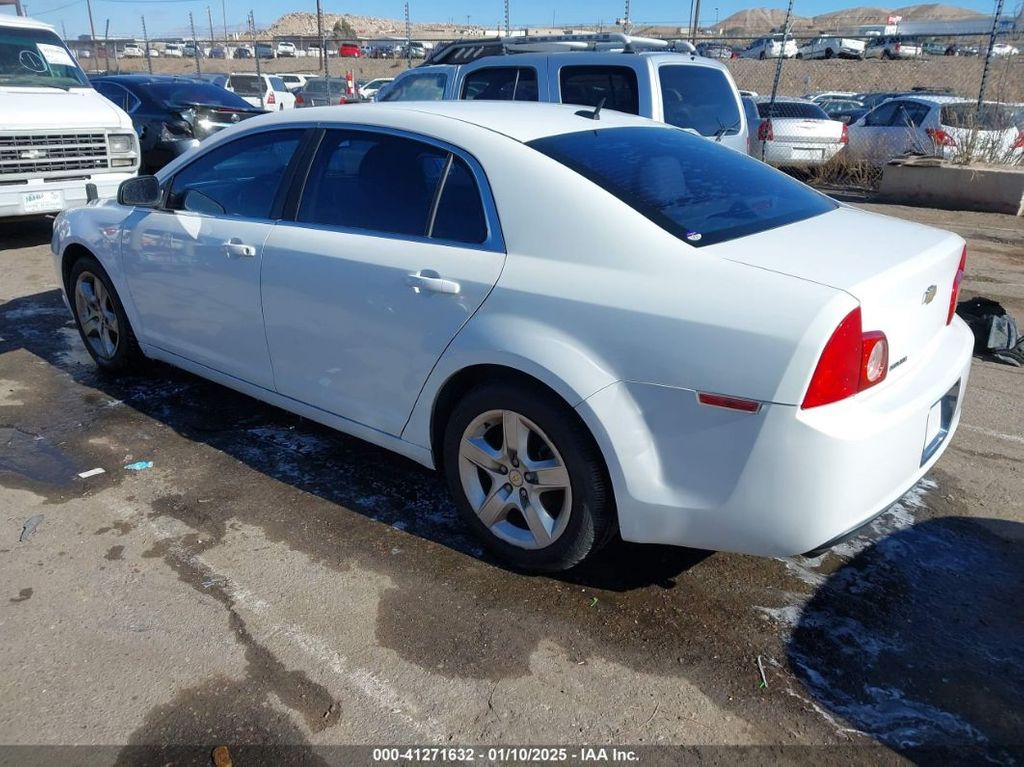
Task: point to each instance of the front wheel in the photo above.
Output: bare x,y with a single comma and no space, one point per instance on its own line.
527,477
101,319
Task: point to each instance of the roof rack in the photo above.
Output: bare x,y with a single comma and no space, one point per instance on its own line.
467,50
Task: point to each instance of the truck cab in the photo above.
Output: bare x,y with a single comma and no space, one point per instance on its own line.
57,133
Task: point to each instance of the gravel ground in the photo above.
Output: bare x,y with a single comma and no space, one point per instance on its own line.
271,582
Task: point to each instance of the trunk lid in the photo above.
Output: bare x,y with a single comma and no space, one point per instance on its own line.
792,130
900,272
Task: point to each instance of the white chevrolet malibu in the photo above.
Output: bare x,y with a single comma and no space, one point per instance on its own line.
589,323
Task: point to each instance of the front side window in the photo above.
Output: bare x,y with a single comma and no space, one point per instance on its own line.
501,84
699,98
37,58
118,95
240,178
697,190
390,184
590,85
419,87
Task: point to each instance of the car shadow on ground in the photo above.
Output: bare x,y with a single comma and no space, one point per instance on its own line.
25,234
335,467
918,640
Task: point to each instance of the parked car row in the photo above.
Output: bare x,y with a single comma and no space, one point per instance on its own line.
831,46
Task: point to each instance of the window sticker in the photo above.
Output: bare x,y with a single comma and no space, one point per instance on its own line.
31,61
54,54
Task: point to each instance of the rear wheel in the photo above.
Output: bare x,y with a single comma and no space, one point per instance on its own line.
829,53
799,55
527,477
761,56
101,319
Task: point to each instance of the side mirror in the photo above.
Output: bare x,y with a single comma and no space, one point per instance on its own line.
141,191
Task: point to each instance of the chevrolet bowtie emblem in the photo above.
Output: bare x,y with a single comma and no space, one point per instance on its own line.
928,295
32,154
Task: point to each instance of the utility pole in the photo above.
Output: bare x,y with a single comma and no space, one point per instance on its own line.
106,48
259,70
224,20
195,43
408,39
92,28
988,58
778,69
507,25
689,22
145,40
626,24
696,21
209,18
19,9
320,40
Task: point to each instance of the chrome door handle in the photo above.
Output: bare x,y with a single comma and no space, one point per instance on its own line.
429,280
236,248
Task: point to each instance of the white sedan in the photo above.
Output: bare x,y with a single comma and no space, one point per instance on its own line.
588,322
796,133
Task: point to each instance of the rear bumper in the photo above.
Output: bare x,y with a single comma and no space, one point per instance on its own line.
22,199
802,155
782,481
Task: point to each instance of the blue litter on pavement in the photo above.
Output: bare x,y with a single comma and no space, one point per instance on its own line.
139,466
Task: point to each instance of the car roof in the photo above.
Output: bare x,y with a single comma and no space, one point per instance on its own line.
24,22
520,121
783,100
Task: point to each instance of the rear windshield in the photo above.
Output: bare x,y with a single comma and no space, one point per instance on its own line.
991,117
320,86
175,94
792,109
695,189
418,87
700,98
247,85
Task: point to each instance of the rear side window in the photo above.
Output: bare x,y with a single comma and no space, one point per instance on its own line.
697,190
278,84
791,109
501,84
699,98
589,85
991,117
419,87
460,213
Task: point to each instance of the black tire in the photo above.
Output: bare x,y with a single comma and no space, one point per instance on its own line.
127,358
592,517
799,55
829,53
761,56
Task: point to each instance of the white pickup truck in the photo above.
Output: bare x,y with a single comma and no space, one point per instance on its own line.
57,134
831,48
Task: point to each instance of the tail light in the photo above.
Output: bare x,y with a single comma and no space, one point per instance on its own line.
845,137
1019,143
957,279
896,47
299,99
851,361
271,99
765,132
940,137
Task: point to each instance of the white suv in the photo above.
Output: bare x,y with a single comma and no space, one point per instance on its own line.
771,47
268,92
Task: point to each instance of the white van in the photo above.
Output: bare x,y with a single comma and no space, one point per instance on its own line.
57,134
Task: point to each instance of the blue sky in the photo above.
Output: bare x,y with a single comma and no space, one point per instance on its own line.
171,16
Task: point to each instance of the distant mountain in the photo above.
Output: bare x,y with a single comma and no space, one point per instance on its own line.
760,20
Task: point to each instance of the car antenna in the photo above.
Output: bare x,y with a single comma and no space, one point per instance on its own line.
596,114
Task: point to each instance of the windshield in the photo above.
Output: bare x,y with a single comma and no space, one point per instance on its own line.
695,189
37,58
195,93
699,98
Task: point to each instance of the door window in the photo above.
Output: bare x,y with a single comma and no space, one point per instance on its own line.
241,178
422,87
460,212
120,96
911,114
501,84
589,85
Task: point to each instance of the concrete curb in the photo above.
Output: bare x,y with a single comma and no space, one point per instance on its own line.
986,188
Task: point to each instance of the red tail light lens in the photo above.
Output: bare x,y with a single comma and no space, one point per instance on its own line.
299,99
1019,143
845,137
765,132
940,137
851,361
955,295
271,99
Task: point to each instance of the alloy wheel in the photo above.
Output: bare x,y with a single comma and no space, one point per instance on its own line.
95,308
515,479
